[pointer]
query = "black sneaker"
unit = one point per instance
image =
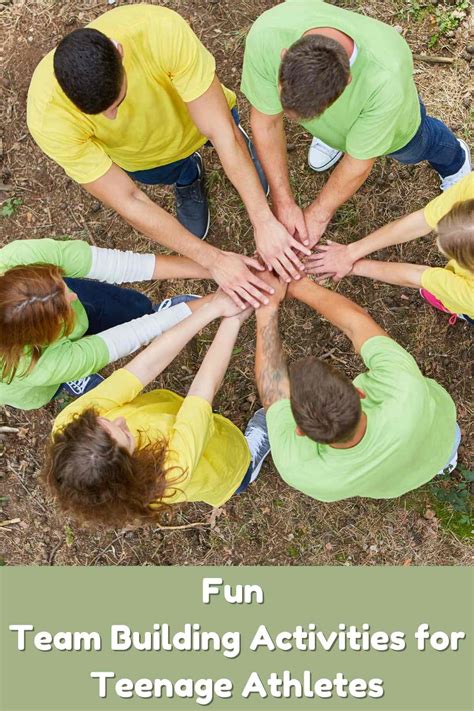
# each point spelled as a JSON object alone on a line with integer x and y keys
{"x": 192, "y": 209}
{"x": 256, "y": 162}
{"x": 76, "y": 388}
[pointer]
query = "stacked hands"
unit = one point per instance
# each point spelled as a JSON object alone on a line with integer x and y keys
{"x": 284, "y": 248}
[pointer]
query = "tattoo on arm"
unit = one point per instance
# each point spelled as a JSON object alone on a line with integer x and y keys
{"x": 272, "y": 373}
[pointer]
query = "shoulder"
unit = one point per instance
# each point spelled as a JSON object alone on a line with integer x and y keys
{"x": 383, "y": 353}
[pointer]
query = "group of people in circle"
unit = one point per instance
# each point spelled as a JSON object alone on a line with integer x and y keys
{"x": 129, "y": 100}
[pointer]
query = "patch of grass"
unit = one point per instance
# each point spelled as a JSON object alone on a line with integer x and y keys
{"x": 452, "y": 503}
{"x": 69, "y": 535}
{"x": 11, "y": 206}
{"x": 448, "y": 19}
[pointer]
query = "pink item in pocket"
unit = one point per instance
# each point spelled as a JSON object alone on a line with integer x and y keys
{"x": 437, "y": 304}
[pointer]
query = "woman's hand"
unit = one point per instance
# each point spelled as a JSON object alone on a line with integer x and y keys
{"x": 330, "y": 260}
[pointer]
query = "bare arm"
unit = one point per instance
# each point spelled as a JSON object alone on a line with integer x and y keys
{"x": 271, "y": 371}
{"x": 343, "y": 313}
{"x": 231, "y": 271}
{"x": 270, "y": 141}
{"x": 211, "y": 115}
{"x": 148, "y": 364}
{"x": 216, "y": 361}
{"x": 338, "y": 259}
{"x": 402, "y": 274}
{"x": 343, "y": 182}
{"x": 172, "y": 267}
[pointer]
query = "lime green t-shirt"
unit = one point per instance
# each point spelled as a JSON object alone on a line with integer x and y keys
{"x": 69, "y": 357}
{"x": 409, "y": 438}
{"x": 377, "y": 113}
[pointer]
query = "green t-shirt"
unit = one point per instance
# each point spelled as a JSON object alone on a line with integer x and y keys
{"x": 378, "y": 112}
{"x": 409, "y": 438}
{"x": 69, "y": 358}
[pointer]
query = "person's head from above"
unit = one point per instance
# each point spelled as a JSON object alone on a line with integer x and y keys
{"x": 325, "y": 404}
{"x": 455, "y": 234}
{"x": 313, "y": 73}
{"x": 89, "y": 69}
{"x": 35, "y": 310}
{"x": 99, "y": 473}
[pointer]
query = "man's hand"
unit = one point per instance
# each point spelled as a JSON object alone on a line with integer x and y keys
{"x": 330, "y": 260}
{"x": 279, "y": 288}
{"x": 292, "y": 217}
{"x": 231, "y": 271}
{"x": 278, "y": 248}
{"x": 316, "y": 223}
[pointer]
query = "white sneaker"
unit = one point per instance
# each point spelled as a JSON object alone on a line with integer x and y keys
{"x": 321, "y": 156}
{"x": 256, "y": 434}
{"x": 464, "y": 170}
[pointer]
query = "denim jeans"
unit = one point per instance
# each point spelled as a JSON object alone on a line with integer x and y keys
{"x": 433, "y": 142}
{"x": 108, "y": 305}
{"x": 180, "y": 172}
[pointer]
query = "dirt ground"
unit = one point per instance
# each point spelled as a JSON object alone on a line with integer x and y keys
{"x": 271, "y": 524}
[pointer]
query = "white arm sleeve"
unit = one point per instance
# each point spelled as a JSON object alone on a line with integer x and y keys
{"x": 117, "y": 267}
{"x": 129, "y": 337}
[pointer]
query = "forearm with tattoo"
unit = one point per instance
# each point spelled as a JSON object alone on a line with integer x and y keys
{"x": 270, "y": 364}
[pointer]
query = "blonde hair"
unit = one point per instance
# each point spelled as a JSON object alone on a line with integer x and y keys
{"x": 456, "y": 234}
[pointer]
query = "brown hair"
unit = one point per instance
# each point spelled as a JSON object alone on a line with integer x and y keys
{"x": 325, "y": 403}
{"x": 98, "y": 481}
{"x": 34, "y": 312}
{"x": 456, "y": 234}
{"x": 313, "y": 74}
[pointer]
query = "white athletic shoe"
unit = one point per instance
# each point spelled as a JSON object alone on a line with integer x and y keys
{"x": 464, "y": 170}
{"x": 256, "y": 434}
{"x": 321, "y": 156}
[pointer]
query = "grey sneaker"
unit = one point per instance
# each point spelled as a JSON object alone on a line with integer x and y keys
{"x": 192, "y": 209}
{"x": 256, "y": 434}
{"x": 174, "y": 301}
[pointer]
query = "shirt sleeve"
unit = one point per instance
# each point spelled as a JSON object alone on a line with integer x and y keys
{"x": 118, "y": 389}
{"x": 259, "y": 81}
{"x": 190, "y": 435}
{"x": 383, "y": 355}
{"x": 442, "y": 204}
{"x": 73, "y": 149}
{"x": 190, "y": 66}
{"x": 454, "y": 291}
{"x": 374, "y": 131}
{"x": 74, "y": 257}
{"x": 286, "y": 447}
{"x": 69, "y": 360}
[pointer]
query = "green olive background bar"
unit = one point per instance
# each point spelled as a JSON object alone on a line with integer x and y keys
{"x": 94, "y": 599}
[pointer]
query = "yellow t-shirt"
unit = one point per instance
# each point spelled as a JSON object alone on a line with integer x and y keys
{"x": 441, "y": 205}
{"x": 166, "y": 66}
{"x": 453, "y": 285}
{"x": 210, "y": 450}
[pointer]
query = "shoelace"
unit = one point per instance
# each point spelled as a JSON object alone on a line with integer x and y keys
{"x": 164, "y": 305}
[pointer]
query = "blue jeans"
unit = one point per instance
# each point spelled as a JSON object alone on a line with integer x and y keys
{"x": 108, "y": 305}
{"x": 181, "y": 172}
{"x": 435, "y": 143}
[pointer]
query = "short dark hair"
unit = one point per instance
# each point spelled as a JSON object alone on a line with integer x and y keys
{"x": 313, "y": 74}
{"x": 324, "y": 402}
{"x": 89, "y": 69}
